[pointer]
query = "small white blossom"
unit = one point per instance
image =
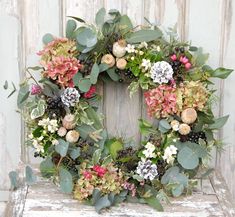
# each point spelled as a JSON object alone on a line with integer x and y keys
{"x": 130, "y": 48}
{"x": 141, "y": 52}
{"x": 48, "y": 125}
{"x": 143, "y": 45}
{"x": 158, "y": 49}
{"x": 30, "y": 136}
{"x": 168, "y": 154}
{"x": 149, "y": 151}
{"x": 146, "y": 64}
{"x": 161, "y": 72}
{"x": 175, "y": 125}
{"x": 55, "y": 142}
{"x": 132, "y": 58}
{"x": 40, "y": 138}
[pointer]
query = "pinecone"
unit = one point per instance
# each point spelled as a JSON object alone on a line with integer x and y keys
{"x": 55, "y": 107}
{"x": 70, "y": 96}
{"x": 193, "y": 137}
{"x": 155, "y": 139}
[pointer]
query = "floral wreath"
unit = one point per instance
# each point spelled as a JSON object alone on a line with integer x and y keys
{"x": 66, "y": 130}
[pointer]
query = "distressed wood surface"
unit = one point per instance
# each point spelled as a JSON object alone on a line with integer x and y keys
{"x": 45, "y": 200}
{"x": 210, "y": 24}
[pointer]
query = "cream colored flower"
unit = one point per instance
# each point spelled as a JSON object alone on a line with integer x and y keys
{"x": 189, "y": 115}
{"x": 62, "y": 131}
{"x": 72, "y": 136}
{"x": 108, "y": 59}
{"x": 121, "y": 63}
{"x": 55, "y": 142}
{"x": 184, "y": 129}
{"x": 119, "y": 48}
{"x": 130, "y": 48}
{"x": 68, "y": 122}
{"x": 175, "y": 125}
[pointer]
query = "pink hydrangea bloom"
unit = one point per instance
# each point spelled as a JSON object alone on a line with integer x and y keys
{"x": 35, "y": 89}
{"x": 161, "y": 101}
{"x": 62, "y": 70}
{"x": 90, "y": 92}
{"x": 87, "y": 175}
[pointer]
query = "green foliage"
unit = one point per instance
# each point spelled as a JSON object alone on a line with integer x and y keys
{"x": 112, "y": 74}
{"x": 62, "y": 147}
{"x": 84, "y": 84}
{"x": 66, "y": 181}
{"x": 154, "y": 202}
{"x": 39, "y": 110}
{"x": 222, "y": 73}
{"x": 23, "y": 95}
{"x": 218, "y": 123}
{"x": 70, "y": 28}
{"x": 87, "y": 38}
{"x": 47, "y": 168}
{"x": 101, "y": 203}
{"x": 94, "y": 73}
{"x": 74, "y": 152}
{"x": 14, "y": 178}
{"x": 47, "y": 38}
{"x": 188, "y": 158}
{"x": 164, "y": 126}
{"x": 145, "y": 127}
{"x": 99, "y": 18}
{"x": 144, "y": 35}
{"x": 199, "y": 57}
{"x": 114, "y": 146}
{"x": 77, "y": 19}
{"x": 29, "y": 176}
{"x": 96, "y": 156}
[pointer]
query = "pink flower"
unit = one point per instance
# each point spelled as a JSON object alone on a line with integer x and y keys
{"x": 130, "y": 187}
{"x": 87, "y": 175}
{"x": 161, "y": 101}
{"x": 35, "y": 89}
{"x": 62, "y": 69}
{"x": 183, "y": 59}
{"x": 188, "y": 66}
{"x": 174, "y": 57}
{"x": 90, "y": 92}
{"x": 100, "y": 170}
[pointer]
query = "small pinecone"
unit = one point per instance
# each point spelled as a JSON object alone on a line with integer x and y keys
{"x": 193, "y": 137}
{"x": 155, "y": 139}
{"x": 161, "y": 167}
{"x": 55, "y": 107}
{"x": 87, "y": 66}
{"x": 70, "y": 96}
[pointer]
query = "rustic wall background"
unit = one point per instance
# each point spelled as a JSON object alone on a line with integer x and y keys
{"x": 207, "y": 23}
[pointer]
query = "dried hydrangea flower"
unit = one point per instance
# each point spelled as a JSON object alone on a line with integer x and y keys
{"x": 147, "y": 170}
{"x": 161, "y": 72}
{"x": 70, "y": 96}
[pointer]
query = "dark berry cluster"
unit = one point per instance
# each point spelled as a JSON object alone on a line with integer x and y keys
{"x": 55, "y": 107}
{"x": 38, "y": 154}
{"x": 87, "y": 66}
{"x": 193, "y": 137}
{"x": 155, "y": 139}
{"x": 111, "y": 39}
{"x": 125, "y": 75}
{"x": 127, "y": 152}
{"x": 161, "y": 167}
{"x": 70, "y": 165}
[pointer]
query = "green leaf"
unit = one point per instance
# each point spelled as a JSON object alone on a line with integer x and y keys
{"x": 22, "y": 95}
{"x": 113, "y": 75}
{"x": 5, "y": 86}
{"x": 164, "y": 126}
{"x": 96, "y": 194}
{"x": 76, "y": 78}
{"x": 62, "y": 147}
{"x": 84, "y": 84}
{"x": 29, "y": 176}
{"x": 218, "y": 123}
{"x": 87, "y": 38}
{"x": 93, "y": 115}
{"x": 144, "y": 35}
{"x": 145, "y": 127}
{"x": 70, "y": 28}
{"x": 35, "y": 68}
{"x": 66, "y": 181}
{"x": 39, "y": 110}
{"x": 133, "y": 87}
{"x": 13, "y": 91}
{"x": 99, "y": 18}
{"x": 200, "y": 58}
{"x": 94, "y": 73}
{"x": 114, "y": 147}
{"x": 47, "y": 168}
{"x": 177, "y": 190}
{"x": 102, "y": 203}
{"x": 14, "y": 178}
{"x": 47, "y": 38}
{"x": 96, "y": 156}
{"x": 103, "y": 67}
{"x": 188, "y": 158}
{"x": 107, "y": 160}
{"x": 221, "y": 73}
{"x": 85, "y": 130}
{"x": 75, "y": 153}
{"x": 154, "y": 202}
{"x": 77, "y": 19}
{"x": 125, "y": 24}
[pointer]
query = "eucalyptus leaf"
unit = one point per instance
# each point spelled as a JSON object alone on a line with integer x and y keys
{"x": 66, "y": 181}
{"x": 84, "y": 84}
{"x": 22, "y": 95}
{"x": 5, "y": 86}
{"x": 164, "y": 126}
{"x": 102, "y": 203}
{"x": 70, "y": 28}
{"x": 93, "y": 115}
{"x": 76, "y": 78}
{"x": 94, "y": 73}
{"x": 62, "y": 147}
{"x": 77, "y": 19}
{"x": 47, "y": 167}
{"x": 113, "y": 75}
{"x": 144, "y": 35}
{"x": 103, "y": 67}
{"x": 177, "y": 190}
{"x": 47, "y": 38}
{"x": 85, "y": 130}
{"x": 96, "y": 194}
{"x": 29, "y": 176}
{"x": 87, "y": 38}
{"x": 218, "y": 123}
{"x": 154, "y": 202}
{"x": 125, "y": 24}
{"x": 14, "y": 178}
{"x": 74, "y": 153}
{"x": 99, "y": 18}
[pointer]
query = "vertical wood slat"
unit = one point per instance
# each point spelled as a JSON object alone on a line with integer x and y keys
{"x": 226, "y": 160}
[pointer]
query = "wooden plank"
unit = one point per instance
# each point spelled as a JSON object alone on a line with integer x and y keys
{"x": 226, "y": 161}
{"x": 44, "y": 199}
{"x": 223, "y": 194}
{"x": 122, "y": 113}
{"x": 10, "y": 63}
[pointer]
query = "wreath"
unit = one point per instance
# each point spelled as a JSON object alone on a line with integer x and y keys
{"x": 67, "y": 131}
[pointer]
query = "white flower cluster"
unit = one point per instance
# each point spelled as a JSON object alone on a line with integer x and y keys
{"x": 169, "y": 153}
{"x": 161, "y": 72}
{"x": 130, "y": 48}
{"x": 143, "y": 45}
{"x": 36, "y": 142}
{"x": 145, "y": 65}
{"x": 149, "y": 151}
{"x": 49, "y": 125}
{"x": 147, "y": 170}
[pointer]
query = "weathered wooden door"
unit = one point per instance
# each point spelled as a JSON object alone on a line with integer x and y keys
{"x": 209, "y": 24}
